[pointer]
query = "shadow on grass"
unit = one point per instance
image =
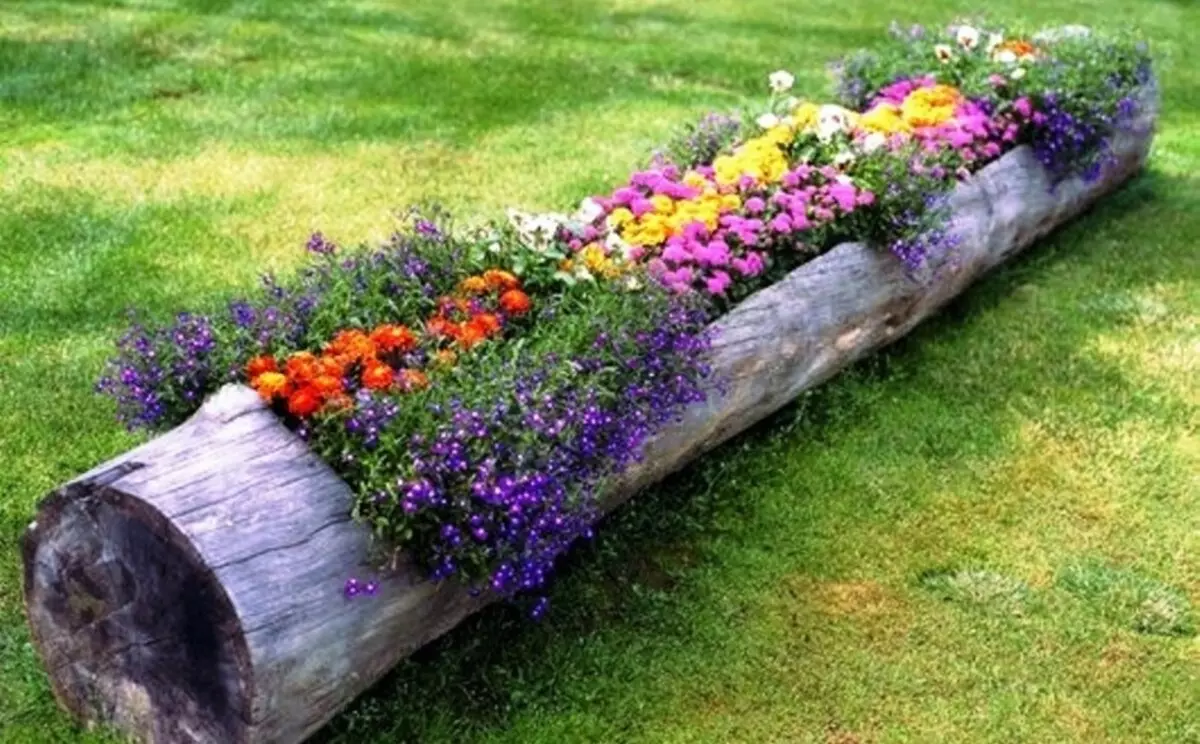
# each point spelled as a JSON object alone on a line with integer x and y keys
{"x": 636, "y": 588}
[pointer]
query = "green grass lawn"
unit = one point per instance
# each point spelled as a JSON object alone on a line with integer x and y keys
{"x": 991, "y": 533}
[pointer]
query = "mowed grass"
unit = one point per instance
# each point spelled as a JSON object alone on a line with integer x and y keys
{"x": 990, "y": 533}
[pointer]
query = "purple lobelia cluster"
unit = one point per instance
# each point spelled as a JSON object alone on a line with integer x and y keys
{"x": 495, "y": 490}
{"x": 701, "y": 142}
{"x": 161, "y": 372}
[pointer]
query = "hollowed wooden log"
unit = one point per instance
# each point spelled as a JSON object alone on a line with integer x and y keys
{"x": 190, "y": 590}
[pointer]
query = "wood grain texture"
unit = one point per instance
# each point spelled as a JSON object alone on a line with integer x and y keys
{"x": 190, "y": 590}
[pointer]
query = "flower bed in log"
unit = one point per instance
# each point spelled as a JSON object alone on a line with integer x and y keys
{"x": 477, "y": 388}
{"x": 488, "y": 393}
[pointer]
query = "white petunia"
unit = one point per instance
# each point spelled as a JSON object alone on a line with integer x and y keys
{"x": 632, "y": 283}
{"x": 781, "y": 80}
{"x": 590, "y": 210}
{"x": 1017, "y": 74}
{"x": 843, "y": 159}
{"x": 1005, "y": 57}
{"x": 831, "y": 120}
{"x": 873, "y": 141}
{"x": 944, "y": 53}
{"x": 994, "y": 40}
{"x": 768, "y": 120}
{"x": 967, "y": 37}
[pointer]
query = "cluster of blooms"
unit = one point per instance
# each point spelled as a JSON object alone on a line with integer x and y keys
{"x": 487, "y": 466}
{"x": 512, "y": 482}
{"x": 386, "y": 358}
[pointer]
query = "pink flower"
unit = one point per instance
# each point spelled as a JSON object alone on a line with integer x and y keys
{"x": 676, "y": 252}
{"x": 754, "y": 205}
{"x": 751, "y": 265}
{"x": 641, "y": 206}
{"x": 625, "y": 195}
{"x": 991, "y": 150}
{"x": 1023, "y": 106}
{"x": 781, "y": 224}
{"x": 715, "y": 253}
{"x": 844, "y": 194}
{"x": 997, "y": 80}
{"x": 718, "y": 282}
{"x": 799, "y": 218}
{"x": 656, "y": 267}
{"x": 823, "y": 215}
{"x": 866, "y": 198}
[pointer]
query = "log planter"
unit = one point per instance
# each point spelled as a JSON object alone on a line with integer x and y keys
{"x": 190, "y": 590}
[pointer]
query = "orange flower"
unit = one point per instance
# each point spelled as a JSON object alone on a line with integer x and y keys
{"x": 260, "y": 364}
{"x": 500, "y": 279}
{"x": 339, "y": 402}
{"x": 473, "y": 285}
{"x": 351, "y": 345}
{"x": 470, "y": 334}
{"x": 327, "y": 385}
{"x": 304, "y": 401}
{"x": 327, "y": 365}
{"x": 488, "y": 322}
{"x": 445, "y": 358}
{"x": 439, "y": 326}
{"x": 378, "y": 376}
{"x": 1019, "y": 47}
{"x": 413, "y": 379}
{"x": 515, "y": 302}
{"x": 271, "y": 384}
{"x": 301, "y": 367}
{"x": 388, "y": 338}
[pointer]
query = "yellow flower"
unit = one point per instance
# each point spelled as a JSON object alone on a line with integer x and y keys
{"x": 663, "y": 204}
{"x": 730, "y": 202}
{"x": 929, "y": 107}
{"x": 885, "y": 119}
{"x": 695, "y": 180}
{"x": 805, "y": 116}
{"x": 619, "y": 217}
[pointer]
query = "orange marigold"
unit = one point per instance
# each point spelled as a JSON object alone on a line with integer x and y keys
{"x": 327, "y": 385}
{"x": 470, "y": 334}
{"x": 488, "y": 322}
{"x": 389, "y": 337}
{"x": 301, "y": 367}
{"x": 501, "y": 279}
{"x": 339, "y": 402}
{"x": 515, "y": 302}
{"x": 351, "y": 345}
{"x": 327, "y": 365}
{"x": 304, "y": 401}
{"x": 271, "y": 384}
{"x": 413, "y": 379}
{"x": 473, "y": 285}
{"x": 439, "y": 326}
{"x": 378, "y": 376}
{"x": 260, "y": 364}
{"x": 1019, "y": 47}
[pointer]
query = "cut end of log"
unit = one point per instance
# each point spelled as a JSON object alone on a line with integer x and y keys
{"x": 133, "y": 627}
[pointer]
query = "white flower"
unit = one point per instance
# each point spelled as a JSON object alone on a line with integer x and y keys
{"x": 874, "y": 141}
{"x": 1017, "y": 74}
{"x": 994, "y": 40}
{"x": 831, "y": 120}
{"x": 632, "y": 283}
{"x": 781, "y": 80}
{"x": 790, "y": 103}
{"x": 843, "y": 159}
{"x": 494, "y": 247}
{"x": 768, "y": 120}
{"x": 944, "y": 53}
{"x": 590, "y": 210}
{"x": 616, "y": 245}
{"x": 967, "y": 37}
{"x": 843, "y": 178}
{"x": 1005, "y": 57}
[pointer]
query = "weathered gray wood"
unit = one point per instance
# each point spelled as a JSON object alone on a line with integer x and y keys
{"x": 191, "y": 589}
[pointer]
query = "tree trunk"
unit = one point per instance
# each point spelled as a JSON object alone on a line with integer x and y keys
{"x": 190, "y": 590}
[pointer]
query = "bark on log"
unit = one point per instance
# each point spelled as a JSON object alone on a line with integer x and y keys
{"x": 190, "y": 590}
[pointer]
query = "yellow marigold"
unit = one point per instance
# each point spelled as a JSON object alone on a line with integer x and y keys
{"x": 695, "y": 180}
{"x": 663, "y": 204}
{"x": 619, "y": 217}
{"x": 473, "y": 285}
{"x": 730, "y": 202}
{"x": 780, "y": 135}
{"x": 929, "y": 107}
{"x": 805, "y": 116}
{"x": 885, "y": 119}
